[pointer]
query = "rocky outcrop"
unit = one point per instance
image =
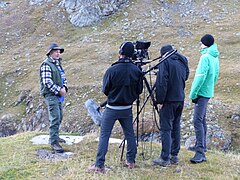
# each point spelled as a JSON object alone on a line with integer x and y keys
{"x": 35, "y": 116}
{"x": 7, "y": 125}
{"x": 86, "y": 12}
{"x": 36, "y": 119}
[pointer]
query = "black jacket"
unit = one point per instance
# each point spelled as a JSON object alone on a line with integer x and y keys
{"x": 171, "y": 77}
{"x": 122, "y": 83}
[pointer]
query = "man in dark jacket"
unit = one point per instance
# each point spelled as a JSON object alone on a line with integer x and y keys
{"x": 53, "y": 86}
{"x": 170, "y": 84}
{"x": 122, "y": 84}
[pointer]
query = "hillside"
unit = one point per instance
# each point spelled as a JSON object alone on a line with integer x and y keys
{"x": 26, "y": 32}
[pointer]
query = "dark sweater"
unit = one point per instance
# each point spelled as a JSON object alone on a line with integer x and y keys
{"x": 122, "y": 83}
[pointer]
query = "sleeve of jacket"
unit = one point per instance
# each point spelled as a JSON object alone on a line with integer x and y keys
{"x": 106, "y": 83}
{"x": 161, "y": 83}
{"x": 200, "y": 77}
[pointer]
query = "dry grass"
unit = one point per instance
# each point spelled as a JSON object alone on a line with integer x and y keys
{"x": 23, "y": 163}
{"x": 89, "y": 51}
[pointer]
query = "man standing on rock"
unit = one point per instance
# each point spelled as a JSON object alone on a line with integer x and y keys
{"x": 53, "y": 86}
{"x": 122, "y": 84}
{"x": 202, "y": 90}
{"x": 170, "y": 85}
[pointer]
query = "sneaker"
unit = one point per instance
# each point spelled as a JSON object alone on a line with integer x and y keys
{"x": 61, "y": 140}
{"x": 161, "y": 162}
{"x": 198, "y": 158}
{"x": 174, "y": 160}
{"x": 93, "y": 168}
{"x": 130, "y": 165}
{"x": 57, "y": 148}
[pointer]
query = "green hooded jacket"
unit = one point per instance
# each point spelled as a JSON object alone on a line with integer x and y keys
{"x": 206, "y": 74}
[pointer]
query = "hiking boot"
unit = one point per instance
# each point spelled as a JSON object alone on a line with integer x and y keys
{"x": 174, "y": 160}
{"x": 198, "y": 158}
{"x": 129, "y": 165}
{"x": 57, "y": 148}
{"x": 161, "y": 162}
{"x": 93, "y": 168}
{"x": 193, "y": 148}
{"x": 61, "y": 140}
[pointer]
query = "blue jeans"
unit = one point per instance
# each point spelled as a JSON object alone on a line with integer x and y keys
{"x": 125, "y": 118}
{"x": 170, "y": 116}
{"x": 200, "y": 125}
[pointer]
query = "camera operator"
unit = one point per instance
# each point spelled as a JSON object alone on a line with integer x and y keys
{"x": 122, "y": 84}
{"x": 170, "y": 85}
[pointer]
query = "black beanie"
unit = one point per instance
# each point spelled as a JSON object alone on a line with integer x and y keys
{"x": 207, "y": 40}
{"x": 127, "y": 49}
{"x": 165, "y": 49}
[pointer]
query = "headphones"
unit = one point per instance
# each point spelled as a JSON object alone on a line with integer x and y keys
{"x": 121, "y": 48}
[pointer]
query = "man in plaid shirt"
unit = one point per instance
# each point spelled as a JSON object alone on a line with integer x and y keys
{"x": 53, "y": 88}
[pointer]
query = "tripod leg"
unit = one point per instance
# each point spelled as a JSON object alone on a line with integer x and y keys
{"x": 137, "y": 118}
{"x": 123, "y": 146}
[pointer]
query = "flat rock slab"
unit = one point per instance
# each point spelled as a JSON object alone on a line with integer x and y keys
{"x": 43, "y": 139}
{"x": 114, "y": 140}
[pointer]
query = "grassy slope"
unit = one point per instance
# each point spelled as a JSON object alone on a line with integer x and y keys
{"x": 88, "y": 49}
{"x": 27, "y": 32}
{"x": 19, "y": 161}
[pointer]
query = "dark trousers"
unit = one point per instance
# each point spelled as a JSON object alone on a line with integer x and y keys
{"x": 125, "y": 118}
{"x": 170, "y": 115}
{"x": 200, "y": 125}
{"x": 55, "y": 113}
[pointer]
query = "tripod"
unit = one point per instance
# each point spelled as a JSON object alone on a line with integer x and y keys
{"x": 150, "y": 89}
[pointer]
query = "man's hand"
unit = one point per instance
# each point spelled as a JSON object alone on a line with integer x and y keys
{"x": 62, "y": 91}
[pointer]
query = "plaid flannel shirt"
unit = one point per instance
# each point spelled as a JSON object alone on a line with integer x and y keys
{"x": 46, "y": 75}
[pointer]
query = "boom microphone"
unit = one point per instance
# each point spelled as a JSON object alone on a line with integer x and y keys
{"x": 94, "y": 111}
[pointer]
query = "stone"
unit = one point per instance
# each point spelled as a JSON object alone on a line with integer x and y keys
{"x": 51, "y": 156}
{"x": 43, "y": 139}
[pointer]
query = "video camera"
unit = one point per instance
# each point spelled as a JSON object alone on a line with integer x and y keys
{"x": 141, "y": 50}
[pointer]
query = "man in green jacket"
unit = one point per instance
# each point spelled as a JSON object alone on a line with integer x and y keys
{"x": 53, "y": 86}
{"x": 202, "y": 90}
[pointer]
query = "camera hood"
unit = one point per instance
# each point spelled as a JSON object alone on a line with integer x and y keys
{"x": 141, "y": 44}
